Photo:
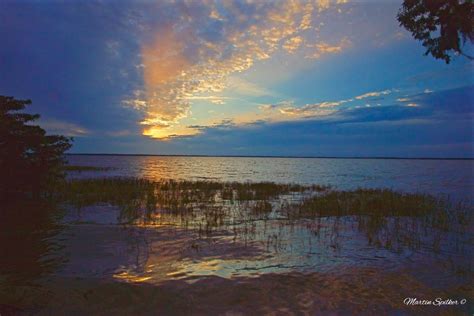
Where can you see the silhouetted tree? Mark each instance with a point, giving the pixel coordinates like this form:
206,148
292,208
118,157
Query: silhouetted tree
443,26
30,160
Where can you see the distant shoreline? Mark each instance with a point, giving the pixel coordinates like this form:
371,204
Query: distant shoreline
282,157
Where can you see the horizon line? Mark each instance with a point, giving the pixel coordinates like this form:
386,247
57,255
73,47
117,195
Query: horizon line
274,156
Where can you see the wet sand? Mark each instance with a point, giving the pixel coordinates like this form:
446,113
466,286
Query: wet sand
113,270
348,292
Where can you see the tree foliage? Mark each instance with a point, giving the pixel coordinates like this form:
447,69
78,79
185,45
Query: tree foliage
30,160
443,26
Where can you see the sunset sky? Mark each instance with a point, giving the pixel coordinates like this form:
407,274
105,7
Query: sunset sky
293,78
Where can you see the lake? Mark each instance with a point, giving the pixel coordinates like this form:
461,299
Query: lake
205,236
449,177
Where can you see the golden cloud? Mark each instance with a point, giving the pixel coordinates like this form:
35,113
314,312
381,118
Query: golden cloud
292,44
373,94
323,48
182,62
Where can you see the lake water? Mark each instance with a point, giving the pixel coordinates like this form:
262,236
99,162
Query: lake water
202,249
449,177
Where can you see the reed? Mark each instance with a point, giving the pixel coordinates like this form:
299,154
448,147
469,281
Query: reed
120,190
210,205
368,202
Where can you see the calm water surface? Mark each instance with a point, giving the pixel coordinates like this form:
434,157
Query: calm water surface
217,258
450,177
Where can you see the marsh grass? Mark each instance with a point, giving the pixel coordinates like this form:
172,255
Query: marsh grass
391,219
379,204
388,219
367,202
186,197
170,193
74,168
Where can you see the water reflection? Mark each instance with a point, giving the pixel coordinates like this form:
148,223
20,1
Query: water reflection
265,247
182,230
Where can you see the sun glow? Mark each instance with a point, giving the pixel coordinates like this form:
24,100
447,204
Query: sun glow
195,57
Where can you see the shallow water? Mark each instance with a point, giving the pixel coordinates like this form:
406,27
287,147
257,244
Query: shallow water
169,246
217,256
450,177
94,265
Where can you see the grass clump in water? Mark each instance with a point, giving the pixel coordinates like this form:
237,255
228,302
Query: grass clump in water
378,204
368,202
140,197
207,201
388,218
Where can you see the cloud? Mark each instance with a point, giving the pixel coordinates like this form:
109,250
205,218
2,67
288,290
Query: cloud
212,42
53,126
440,129
373,94
244,87
269,107
403,99
292,44
192,48
311,110
211,98
167,133
287,110
323,48
165,64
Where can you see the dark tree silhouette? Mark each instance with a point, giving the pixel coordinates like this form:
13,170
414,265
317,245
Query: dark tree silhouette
30,160
443,26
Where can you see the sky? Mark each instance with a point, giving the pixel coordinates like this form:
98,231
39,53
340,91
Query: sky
271,78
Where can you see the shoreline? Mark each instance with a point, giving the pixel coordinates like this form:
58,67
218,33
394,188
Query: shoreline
277,156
